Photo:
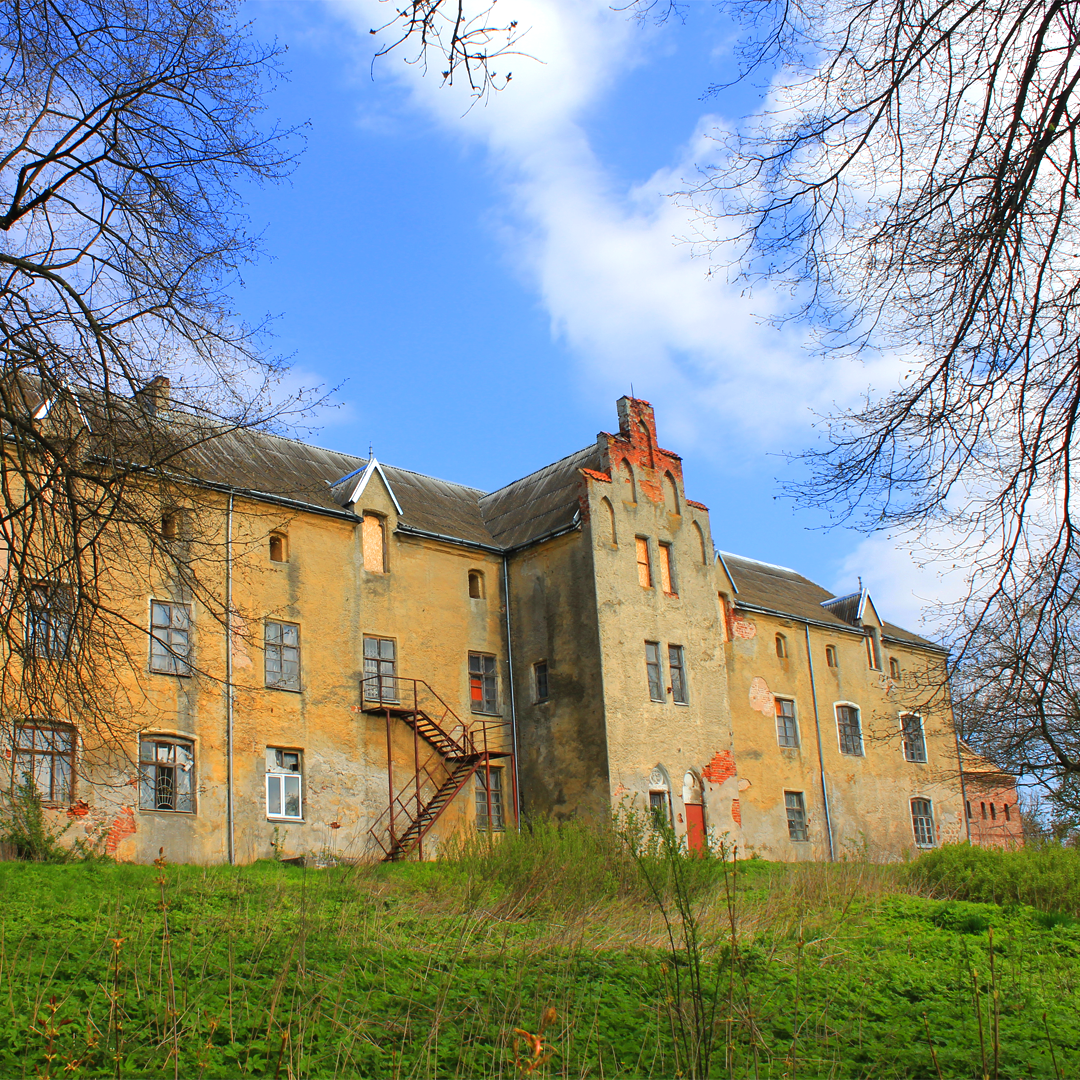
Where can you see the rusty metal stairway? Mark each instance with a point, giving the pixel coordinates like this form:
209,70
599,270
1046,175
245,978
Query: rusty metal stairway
458,753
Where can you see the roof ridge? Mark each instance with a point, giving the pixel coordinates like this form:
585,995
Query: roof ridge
428,476
549,465
767,565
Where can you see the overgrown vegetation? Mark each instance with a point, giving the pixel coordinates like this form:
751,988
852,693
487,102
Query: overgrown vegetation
561,952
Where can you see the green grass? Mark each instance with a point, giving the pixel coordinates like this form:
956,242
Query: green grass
426,970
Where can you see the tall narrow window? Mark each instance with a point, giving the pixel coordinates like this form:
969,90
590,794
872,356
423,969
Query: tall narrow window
922,821
626,470
850,730
781,646
873,647
279,547
613,536
830,655
374,529
45,756
1005,807
677,667
644,570
170,644
787,734
654,671
671,494
667,571
795,805
49,618
967,806
540,680
894,668
476,585
701,544
167,774
284,783
497,821
660,808
983,805
380,669
483,683
911,727
993,812
282,654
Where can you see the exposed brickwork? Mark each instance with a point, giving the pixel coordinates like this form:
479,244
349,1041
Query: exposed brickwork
697,505
79,809
597,475
761,699
736,812
636,443
123,826
721,768
742,629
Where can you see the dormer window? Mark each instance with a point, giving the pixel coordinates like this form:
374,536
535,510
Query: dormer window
873,647
374,530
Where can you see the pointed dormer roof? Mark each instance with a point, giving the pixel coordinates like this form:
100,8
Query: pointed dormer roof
348,489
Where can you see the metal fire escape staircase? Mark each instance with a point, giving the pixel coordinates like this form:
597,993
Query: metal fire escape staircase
446,755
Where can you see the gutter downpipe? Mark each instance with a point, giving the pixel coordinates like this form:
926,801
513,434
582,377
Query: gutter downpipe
510,676
229,800
821,756
960,766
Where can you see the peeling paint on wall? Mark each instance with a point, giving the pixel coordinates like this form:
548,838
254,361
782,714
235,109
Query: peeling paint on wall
761,698
736,812
740,628
721,768
123,825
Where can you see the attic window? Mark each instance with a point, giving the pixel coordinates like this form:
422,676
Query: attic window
279,547
830,655
781,646
170,525
476,585
873,647
894,668
374,529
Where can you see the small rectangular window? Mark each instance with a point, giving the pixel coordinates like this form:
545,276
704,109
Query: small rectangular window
282,655
677,667
850,730
644,569
170,643
279,547
654,671
830,655
380,670
167,774
497,822
922,821
914,739
667,571
284,783
374,539
49,618
540,680
787,734
46,757
483,683
796,815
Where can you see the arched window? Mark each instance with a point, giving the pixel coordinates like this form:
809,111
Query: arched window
894,668
626,471
671,494
993,812
613,536
830,655
701,544
279,547
983,805
781,646
476,585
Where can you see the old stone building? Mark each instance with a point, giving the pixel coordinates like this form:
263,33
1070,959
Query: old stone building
397,657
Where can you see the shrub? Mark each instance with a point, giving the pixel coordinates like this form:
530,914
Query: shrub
24,826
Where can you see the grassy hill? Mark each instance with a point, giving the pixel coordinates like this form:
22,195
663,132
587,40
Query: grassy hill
962,964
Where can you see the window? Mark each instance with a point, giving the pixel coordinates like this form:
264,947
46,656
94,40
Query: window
1008,817
781,646
644,571
654,671
170,525
967,806
796,815
49,615
894,668
483,683
46,757
476,585
873,647
630,490
167,774
993,812
374,530
701,544
282,655
849,729
983,805
660,808
914,740
667,572
279,547
380,677
497,821
671,494
677,667
922,821
614,536
284,784
170,644
787,734
830,655
540,680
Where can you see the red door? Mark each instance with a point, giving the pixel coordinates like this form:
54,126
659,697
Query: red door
695,827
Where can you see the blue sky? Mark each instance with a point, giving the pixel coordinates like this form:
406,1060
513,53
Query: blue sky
482,284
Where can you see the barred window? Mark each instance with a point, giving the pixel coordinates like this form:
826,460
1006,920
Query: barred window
49,618
167,774
795,805
787,734
497,822
282,655
170,638
911,727
849,729
654,671
483,683
922,821
46,757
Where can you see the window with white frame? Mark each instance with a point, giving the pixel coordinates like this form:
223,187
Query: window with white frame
45,756
795,805
170,638
922,821
497,821
787,733
284,783
166,773
281,647
49,617
911,727
849,730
